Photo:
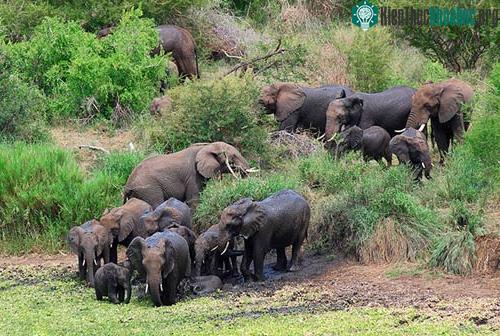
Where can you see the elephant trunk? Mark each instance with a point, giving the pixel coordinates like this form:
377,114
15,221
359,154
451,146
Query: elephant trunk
89,261
128,291
414,121
154,283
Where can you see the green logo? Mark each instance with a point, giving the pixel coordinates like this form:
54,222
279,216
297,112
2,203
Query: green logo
364,15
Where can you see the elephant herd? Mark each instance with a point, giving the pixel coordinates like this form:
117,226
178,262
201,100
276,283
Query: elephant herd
155,221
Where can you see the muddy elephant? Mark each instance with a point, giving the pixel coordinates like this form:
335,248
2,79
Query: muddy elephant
277,222
190,237
181,44
202,285
214,250
183,174
164,259
442,103
411,148
171,212
124,223
297,106
373,142
91,242
113,281
388,109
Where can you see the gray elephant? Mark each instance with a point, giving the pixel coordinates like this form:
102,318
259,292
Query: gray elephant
279,221
203,285
297,106
214,250
388,109
411,148
171,212
190,237
113,281
183,174
373,142
164,259
442,103
124,223
91,242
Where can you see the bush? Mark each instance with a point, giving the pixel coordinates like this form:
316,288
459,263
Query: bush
84,76
208,111
43,193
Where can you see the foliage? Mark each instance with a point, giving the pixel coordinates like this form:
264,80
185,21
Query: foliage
455,252
208,111
43,193
84,76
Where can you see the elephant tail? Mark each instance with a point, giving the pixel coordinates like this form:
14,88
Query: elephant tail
196,60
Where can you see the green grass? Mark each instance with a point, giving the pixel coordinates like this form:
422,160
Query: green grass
53,303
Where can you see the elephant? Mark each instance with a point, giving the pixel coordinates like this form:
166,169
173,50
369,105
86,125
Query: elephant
214,250
297,106
113,281
373,143
411,147
182,174
388,109
171,212
189,236
164,259
124,223
91,242
181,44
441,103
278,221
202,285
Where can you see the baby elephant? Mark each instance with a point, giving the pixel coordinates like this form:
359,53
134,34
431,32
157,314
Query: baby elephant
188,235
373,142
113,281
411,148
202,285
171,212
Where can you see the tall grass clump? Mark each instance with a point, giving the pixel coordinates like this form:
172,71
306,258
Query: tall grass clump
207,111
43,192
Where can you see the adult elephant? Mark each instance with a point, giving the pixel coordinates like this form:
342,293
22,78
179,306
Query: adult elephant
411,148
388,109
182,174
181,44
277,222
164,258
298,106
441,103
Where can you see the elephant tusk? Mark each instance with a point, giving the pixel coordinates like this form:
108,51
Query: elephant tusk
342,128
215,248
423,165
161,287
95,262
421,128
230,169
83,263
400,131
321,137
146,291
252,170
110,245
225,249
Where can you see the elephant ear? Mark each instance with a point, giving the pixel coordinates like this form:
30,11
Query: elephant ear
127,225
253,220
74,238
174,214
353,137
341,94
290,98
169,259
134,254
452,97
208,162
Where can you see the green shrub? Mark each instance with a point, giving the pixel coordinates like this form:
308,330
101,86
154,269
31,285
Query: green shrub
85,76
43,193
454,252
207,111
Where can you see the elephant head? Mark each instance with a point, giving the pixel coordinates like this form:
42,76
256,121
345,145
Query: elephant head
244,217
212,241
159,220
118,222
442,100
412,150
350,139
282,99
155,258
218,158
88,241
343,112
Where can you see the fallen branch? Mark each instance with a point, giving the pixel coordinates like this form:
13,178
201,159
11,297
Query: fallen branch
105,151
277,51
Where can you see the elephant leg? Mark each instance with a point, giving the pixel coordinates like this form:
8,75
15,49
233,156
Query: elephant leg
388,158
234,265
281,261
290,123
192,195
98,293
170,287
113,253
258,263
121,293
294,262
81,267
457,127
441,137
245,263
112,293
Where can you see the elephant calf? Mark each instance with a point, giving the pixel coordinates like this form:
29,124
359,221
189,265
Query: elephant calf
202,285
113,281
373,143
411,147
277,222
91,242
171,212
